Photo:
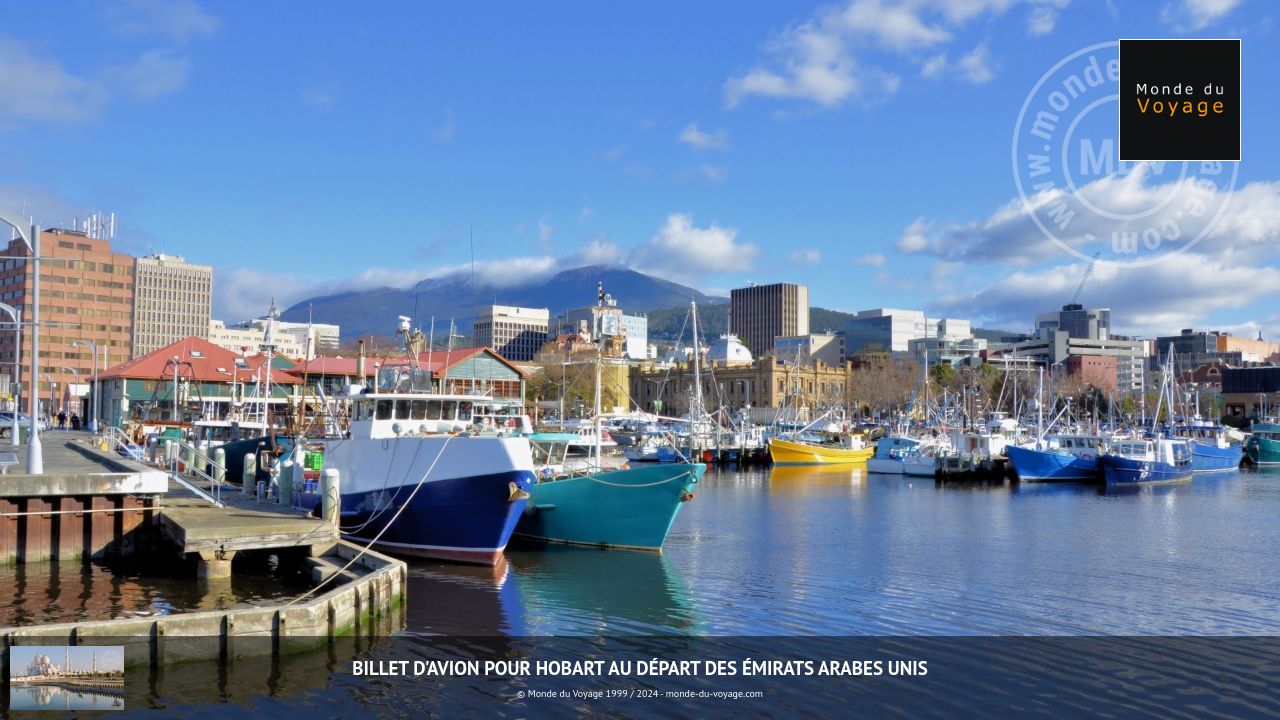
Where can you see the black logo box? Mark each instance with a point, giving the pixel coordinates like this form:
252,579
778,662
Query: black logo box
1187,68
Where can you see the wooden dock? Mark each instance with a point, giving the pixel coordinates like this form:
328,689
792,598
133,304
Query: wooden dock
217,534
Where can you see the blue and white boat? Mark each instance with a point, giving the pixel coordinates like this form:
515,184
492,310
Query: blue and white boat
1211,450
1059,458
413,483
1148,462
891,454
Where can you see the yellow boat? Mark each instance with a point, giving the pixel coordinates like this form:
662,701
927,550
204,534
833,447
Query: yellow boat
788,452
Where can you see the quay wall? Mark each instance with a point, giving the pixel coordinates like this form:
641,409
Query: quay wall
228,635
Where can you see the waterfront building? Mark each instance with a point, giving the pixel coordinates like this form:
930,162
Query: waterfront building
1057,347
893,329
1096,370
517,333
954,352
827,347
762,387
86,293
298,340
210,382
1252,392
632,331
760,313
172,299
1192,349
477,370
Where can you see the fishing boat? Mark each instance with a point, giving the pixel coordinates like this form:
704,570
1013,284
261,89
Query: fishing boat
1211,449
1148,461
1059,457
891,454
846,450
1262,448
629,508
417,478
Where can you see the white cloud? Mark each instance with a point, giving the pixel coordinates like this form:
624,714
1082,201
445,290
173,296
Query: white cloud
1184,291
679,251
826,59
976,66
714,173
1248,225
155,73
914,238
805,257
176,21
544,230
38,89
695,138
872,260
1189,15
934,66
686,253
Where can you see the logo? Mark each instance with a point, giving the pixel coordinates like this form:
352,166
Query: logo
1079,193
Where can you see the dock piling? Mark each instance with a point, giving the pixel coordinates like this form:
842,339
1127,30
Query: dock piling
330,498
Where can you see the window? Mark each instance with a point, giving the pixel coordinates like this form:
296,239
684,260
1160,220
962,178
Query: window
433,410
384,410
450,410
402,409
418,410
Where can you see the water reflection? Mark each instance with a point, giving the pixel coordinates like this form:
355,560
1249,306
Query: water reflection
553,590
803,480
55,697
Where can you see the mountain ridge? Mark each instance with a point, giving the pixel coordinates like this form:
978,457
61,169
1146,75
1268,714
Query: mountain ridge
455,297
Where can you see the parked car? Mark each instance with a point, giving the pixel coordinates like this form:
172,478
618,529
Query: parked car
24,420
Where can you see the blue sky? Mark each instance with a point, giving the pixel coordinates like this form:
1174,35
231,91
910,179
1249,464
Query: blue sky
862,147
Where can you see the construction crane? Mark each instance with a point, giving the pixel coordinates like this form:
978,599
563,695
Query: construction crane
1084,278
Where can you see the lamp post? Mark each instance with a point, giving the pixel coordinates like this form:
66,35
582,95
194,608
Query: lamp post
93,422
31,234
17,367
52,386
76,381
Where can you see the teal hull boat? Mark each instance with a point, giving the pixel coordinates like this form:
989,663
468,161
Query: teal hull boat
630,508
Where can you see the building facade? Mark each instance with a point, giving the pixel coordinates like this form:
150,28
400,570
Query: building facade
827,347
1076,321
1251,392
517,333
762,387
248,340
893,329
760,313
1057,347
86,296
172,299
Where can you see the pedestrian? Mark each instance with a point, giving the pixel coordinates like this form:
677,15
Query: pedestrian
62,419
75,421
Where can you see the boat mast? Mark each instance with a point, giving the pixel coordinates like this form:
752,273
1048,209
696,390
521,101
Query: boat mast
697,361
1040,412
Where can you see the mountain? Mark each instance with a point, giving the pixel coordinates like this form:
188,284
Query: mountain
374,312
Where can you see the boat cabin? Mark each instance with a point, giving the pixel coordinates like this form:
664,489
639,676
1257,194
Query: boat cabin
388,415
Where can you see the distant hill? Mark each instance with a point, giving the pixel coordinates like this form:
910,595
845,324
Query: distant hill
374,312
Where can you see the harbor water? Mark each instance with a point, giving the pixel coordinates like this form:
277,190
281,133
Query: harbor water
804,556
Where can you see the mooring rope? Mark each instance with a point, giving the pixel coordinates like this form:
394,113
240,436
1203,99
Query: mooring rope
386,527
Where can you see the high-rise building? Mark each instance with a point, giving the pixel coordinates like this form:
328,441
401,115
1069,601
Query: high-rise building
516,333
172,299
248,340
1077,321
761,313
86,296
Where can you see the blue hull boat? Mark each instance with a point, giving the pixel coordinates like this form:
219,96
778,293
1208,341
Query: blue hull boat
1034,465
1207,458
467,519
632,508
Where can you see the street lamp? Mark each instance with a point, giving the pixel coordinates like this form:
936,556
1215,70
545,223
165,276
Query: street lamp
17,367
93,421
74,374
52,386
31,234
